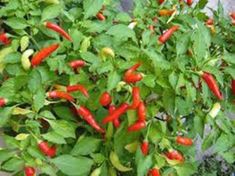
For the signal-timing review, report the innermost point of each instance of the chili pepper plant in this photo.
(87, 89)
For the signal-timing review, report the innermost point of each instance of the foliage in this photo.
(177, 100)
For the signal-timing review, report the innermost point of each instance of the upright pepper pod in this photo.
(211, 83)
(167, 34)
(43, 53)
(116, 113)
(136, 98)
(29, 171)
(88, 117)
(57, 29)
(141, 112)
(145, 147)
(184, 141)
(116, 122)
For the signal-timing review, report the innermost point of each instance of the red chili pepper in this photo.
(88, 117)
(116, 113)
(141, 112)
(130, 76)
(3, 102)
(175, 155)
(154, 172)
(100, 16)
(166, 35)
(51, 152)
(160, 1)
(189, 2)
(58, 29)
(145, 148)
(137, 126)
(105, 99)
(4, 39)
(29, 171)
(211, 83)
(232, 15)
(116, 122)
(43, 53)
(61, 95)
(44, 147)
(209, 22)
(77, 63)
(151, 28)
(136, 98)
(233, 86)
(77, 87)
(166, 12)
(184, 141)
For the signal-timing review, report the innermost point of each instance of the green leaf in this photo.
(16, 23)
(113, 80)
(47, 114)
(51, 12)
(182, 43)
(92, 7)
(63, 128)
(49, 170)
(202, 3)
(229, 57)
(198, 124)
(185, 170)
(39, 99)
(77, 37)
(5, 155)
(86, 146)
(12, 58)
(149, 81)
(35, 80)
(224, 142)
(143, 163)
(123, 17)
(63, 112)
(121, 32)
(54, 138)
(14, 164)
(209, 140)
(73, 166)
(5, 114)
